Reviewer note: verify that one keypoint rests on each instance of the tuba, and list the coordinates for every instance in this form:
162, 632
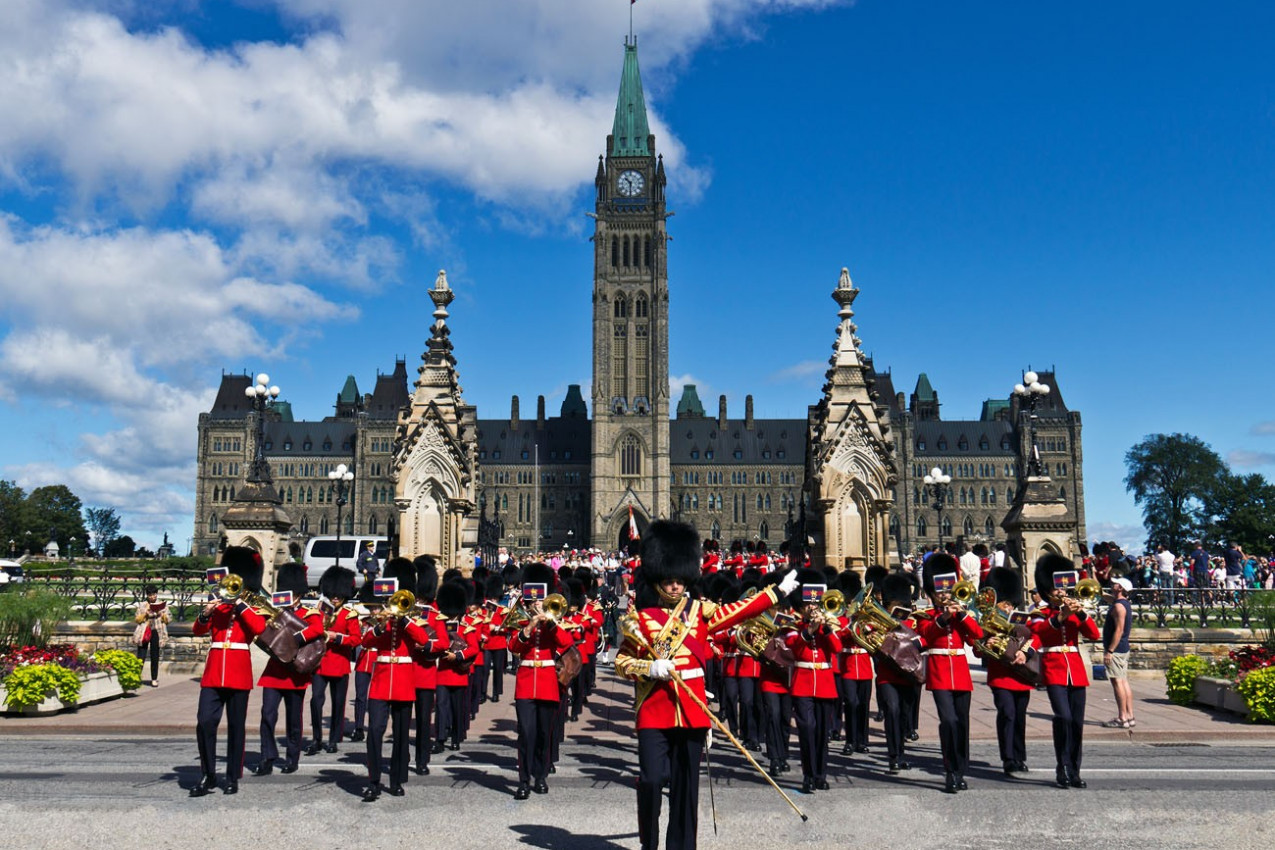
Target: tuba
1002, 640
874, 629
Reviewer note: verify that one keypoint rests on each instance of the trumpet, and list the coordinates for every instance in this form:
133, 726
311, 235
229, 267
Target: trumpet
963, 592
399, 605
231, 589
833, 603
1088, 591
555, 606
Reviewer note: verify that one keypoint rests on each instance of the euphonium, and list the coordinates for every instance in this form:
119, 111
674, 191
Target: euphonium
869, 622
996, 627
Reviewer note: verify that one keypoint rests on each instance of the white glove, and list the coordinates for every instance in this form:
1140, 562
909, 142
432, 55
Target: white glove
662, 669
789, 584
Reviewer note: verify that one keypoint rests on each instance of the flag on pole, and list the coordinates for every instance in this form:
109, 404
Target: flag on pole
633, 529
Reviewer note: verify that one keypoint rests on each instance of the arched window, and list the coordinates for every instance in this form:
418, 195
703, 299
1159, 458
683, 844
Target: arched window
641, 307
626, 251
232, 492
615, 251
1062, 492
989, 527
1009, 495
288, 497
991, 495
305, 525
216, 496
916, 495
984, 494
630, 456
212, 523
621, 307
695, 501
921, 528
968, 527
764, 530
323, 525
646, 252
767, 501
371, 525
947, 526
717, 530
894, 526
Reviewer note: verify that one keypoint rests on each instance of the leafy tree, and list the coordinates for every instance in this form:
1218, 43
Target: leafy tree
104, 525
120, 547
1171, 476
55, 509
1241, 508
12, 517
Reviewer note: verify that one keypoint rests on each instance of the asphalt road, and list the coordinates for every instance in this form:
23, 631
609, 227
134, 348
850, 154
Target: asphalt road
71, 792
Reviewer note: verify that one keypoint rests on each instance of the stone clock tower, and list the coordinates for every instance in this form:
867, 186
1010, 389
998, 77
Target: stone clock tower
630, 324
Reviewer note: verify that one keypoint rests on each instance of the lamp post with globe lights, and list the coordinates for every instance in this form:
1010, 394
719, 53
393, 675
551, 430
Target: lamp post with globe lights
260, 393
341, 478
1032, 392
937, 483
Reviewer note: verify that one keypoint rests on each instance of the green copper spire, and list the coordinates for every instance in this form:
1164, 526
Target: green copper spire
350, 392
630, 131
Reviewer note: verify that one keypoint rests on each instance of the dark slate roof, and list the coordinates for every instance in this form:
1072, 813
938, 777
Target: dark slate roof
559, 436
390, 395
931, 431
231, 403
884, 388
573, 406
764, 443
326, 438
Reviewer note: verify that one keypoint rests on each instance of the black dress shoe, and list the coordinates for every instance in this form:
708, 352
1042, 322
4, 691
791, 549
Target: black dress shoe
822, 785
807, 786
438, 747
263, 768
312, 750
949, 784
454, 745
553, 768
232, 787
774, 769
903, 765
329, 748
836, 736
962, 784
912, 736
288, 768
861, 748
1061, 779
783, 765
495, 699
522, 792
395, 791
540, 788
205, 786
1077, 782
1009, 767
847, 750
894, 767
357, 735
372, 793
1021, 767
422, 770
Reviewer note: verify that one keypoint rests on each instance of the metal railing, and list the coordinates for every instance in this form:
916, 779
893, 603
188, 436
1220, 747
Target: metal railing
97, 597
1217, 608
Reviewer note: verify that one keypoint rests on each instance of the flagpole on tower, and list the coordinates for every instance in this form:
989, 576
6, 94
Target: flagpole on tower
632, 3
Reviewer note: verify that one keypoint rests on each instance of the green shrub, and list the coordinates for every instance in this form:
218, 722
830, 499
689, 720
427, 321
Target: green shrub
29, 685
1258, 690
1262, 616
29, 617
127, 666
1181, 675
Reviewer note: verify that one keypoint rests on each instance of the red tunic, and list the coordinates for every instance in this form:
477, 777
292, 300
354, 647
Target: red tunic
426, 656
814, 653
998, 672
664, 706
855, 661
477, 621
336, 661
497, 637
1059, 641
229, 663
454, 674
394, 673
537, 677
946, 667
281, 676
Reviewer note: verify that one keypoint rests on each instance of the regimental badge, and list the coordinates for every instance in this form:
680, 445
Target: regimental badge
1066, 580
281, 599
385, 586
216, 574
811, 594
670, 638
944, 583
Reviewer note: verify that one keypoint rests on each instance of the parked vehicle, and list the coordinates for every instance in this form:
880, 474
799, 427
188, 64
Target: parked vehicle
321, 553
12, 571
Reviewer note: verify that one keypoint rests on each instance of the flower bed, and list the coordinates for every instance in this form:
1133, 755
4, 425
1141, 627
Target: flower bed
1243, 684
45, 680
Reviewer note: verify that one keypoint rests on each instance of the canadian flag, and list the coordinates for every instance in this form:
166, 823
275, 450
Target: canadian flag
633, 529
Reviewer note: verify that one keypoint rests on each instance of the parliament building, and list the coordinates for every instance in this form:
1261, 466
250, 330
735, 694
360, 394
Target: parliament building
449, 482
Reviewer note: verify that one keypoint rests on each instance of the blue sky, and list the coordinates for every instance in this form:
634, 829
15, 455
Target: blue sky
188, 187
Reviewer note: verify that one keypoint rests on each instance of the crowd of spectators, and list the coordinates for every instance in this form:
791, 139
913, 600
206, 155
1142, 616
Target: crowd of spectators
1229, 568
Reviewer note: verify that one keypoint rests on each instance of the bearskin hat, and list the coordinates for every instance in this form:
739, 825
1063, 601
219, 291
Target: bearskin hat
426, 578
1046, 566
875, 576
718, 584
452, 574
575, 593
494, 587
940, 563
471, 591
292, 577
451, 599
670, 550
511, 574
337, 581
245, 563
540, 573
479, 575
849, 583
736, 546
830, 576
896, 589
752, 575
403, 570
1007, 583
732, 590
565, 573
806, 576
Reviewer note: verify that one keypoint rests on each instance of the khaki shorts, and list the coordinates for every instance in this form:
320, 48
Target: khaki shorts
1119, 666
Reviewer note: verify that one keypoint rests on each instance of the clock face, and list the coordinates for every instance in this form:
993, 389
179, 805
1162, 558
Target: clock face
630, 184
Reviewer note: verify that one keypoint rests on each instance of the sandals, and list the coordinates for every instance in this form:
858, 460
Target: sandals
1117, 723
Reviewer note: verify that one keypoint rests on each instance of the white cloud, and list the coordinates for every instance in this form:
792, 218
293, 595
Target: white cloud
1264, 429
1131, 538
678, 383
799, 371
1245, 459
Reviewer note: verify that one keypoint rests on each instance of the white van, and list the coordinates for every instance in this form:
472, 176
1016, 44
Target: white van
321, 552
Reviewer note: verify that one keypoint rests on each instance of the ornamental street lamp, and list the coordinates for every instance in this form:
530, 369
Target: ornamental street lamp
260, 394
1032, 392
936, 485
341, 477
70, 552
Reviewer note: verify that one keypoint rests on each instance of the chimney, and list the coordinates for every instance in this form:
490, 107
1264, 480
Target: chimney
748, 412
540, 413
721, 413
513, 414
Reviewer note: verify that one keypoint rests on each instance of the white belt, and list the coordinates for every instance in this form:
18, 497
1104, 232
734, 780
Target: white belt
944, 652
691, 673
1059, 649
732, 655
814, 665
858, 650
394, 659
540, 663
225, 644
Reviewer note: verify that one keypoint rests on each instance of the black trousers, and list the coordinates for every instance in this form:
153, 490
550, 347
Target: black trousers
856, 695
535, 737
1011, 723
751, 723
954, 729
473, 694
497, 663
778, 708
914, 723
396, 714
212, 702
152, 646
814, 722
1068, 704
672, 756
730, 703
424, 724
451, 712
362, 681
338, 686
896, 703
292, 700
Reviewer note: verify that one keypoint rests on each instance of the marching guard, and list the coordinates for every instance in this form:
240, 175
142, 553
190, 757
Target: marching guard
426, 660
1011, 679
814, 687
343, 632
